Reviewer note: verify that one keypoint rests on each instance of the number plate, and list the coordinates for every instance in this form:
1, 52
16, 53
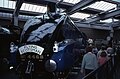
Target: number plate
31, 48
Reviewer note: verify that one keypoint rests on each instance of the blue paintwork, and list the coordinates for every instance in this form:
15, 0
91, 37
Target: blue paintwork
65, 58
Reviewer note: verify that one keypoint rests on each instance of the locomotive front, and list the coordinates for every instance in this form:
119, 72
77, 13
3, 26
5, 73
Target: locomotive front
36, 48
39, 54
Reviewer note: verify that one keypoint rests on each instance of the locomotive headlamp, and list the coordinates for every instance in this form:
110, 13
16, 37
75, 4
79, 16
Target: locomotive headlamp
55, 47
50, 65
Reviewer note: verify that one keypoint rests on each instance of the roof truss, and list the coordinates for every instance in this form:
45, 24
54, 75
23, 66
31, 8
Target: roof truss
103, 16
71, 8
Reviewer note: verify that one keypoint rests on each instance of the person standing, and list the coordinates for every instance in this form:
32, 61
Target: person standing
102, 58
103, 49
94, 50
89, 62
110, 51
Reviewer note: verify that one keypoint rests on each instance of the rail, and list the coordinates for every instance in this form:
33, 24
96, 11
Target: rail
106, 71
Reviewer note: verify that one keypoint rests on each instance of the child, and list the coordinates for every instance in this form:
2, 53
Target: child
102, 58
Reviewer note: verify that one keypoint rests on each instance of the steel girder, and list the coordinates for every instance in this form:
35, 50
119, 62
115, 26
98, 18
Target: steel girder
29, 13
93, 26
103, 16
16, 12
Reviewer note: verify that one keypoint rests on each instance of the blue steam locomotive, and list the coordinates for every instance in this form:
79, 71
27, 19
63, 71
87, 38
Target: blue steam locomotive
49, 46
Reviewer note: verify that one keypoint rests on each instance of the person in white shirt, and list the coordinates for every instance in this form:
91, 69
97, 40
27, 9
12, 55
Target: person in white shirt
89, 62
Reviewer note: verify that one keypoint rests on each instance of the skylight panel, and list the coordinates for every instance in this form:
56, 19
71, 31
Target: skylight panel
7, 4
102, 5
72, 1
1, 3
33, 8
38, 9
29, 9
12, 4
108, 20
43, 9
80, 15
25, 6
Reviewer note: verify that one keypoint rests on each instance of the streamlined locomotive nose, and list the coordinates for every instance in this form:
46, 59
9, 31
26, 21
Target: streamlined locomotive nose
50, 65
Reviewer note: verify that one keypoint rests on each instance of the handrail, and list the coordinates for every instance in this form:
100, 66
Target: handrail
94, 72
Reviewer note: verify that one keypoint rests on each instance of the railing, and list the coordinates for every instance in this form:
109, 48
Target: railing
106, 71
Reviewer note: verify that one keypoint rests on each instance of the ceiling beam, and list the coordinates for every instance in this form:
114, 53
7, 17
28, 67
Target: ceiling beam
79, 6
79, 25
10, 17
21, 12
92, 10
93, 26
103, 16
30, 13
